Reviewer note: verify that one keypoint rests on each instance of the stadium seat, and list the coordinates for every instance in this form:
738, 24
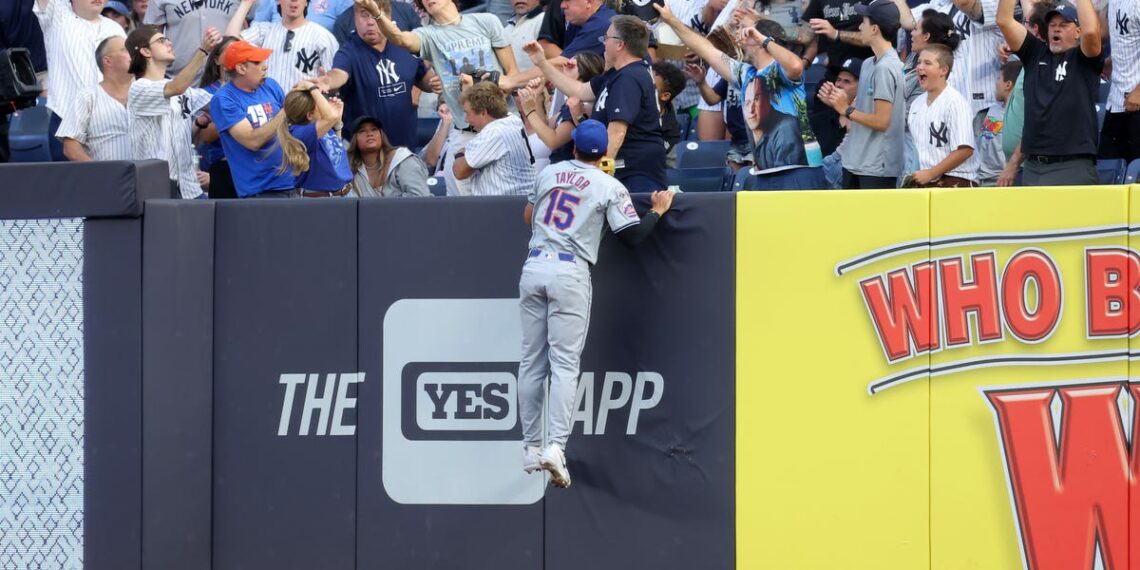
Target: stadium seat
1111, 170
697, 179
437, 186
1100, 110
1102, 92
1132, 173
814, 75
425, 129
28, 134
702, 154
687, 128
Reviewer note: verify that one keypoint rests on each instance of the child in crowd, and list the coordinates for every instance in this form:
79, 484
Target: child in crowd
669, 81
991, 158
940, 123
310, 145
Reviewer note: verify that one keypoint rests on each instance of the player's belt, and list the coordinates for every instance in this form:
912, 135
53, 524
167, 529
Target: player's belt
536, 252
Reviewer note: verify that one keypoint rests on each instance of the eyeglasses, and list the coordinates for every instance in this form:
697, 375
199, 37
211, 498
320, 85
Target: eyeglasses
161, 40
289, 40
602, 39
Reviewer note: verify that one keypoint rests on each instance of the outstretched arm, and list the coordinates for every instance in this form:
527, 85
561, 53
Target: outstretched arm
696, 42
569, 86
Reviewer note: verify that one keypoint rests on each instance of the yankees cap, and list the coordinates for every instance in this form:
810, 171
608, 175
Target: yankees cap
881, 12
240, 52
852, 65
1065, 10
591, 137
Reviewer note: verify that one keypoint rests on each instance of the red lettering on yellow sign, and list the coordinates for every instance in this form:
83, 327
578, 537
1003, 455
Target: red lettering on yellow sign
1073, 493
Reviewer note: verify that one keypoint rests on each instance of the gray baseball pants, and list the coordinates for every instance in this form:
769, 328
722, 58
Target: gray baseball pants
554, 300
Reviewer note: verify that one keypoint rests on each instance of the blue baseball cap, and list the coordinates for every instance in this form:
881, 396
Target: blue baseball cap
591, 137
117, 7
1065, 10
881, 12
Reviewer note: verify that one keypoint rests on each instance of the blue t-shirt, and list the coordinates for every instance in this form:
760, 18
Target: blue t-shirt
328, 162
733, 113
628, 95
254, 171
380, 84
585, 37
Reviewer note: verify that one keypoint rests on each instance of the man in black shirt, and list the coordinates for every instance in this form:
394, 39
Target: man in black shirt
1062, 76
831, 20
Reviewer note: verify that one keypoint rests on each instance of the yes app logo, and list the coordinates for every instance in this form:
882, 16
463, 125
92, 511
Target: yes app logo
451, 433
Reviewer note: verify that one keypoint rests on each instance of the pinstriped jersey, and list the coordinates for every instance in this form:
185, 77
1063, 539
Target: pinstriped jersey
297, 53
573, 203
976, 66
1124, 38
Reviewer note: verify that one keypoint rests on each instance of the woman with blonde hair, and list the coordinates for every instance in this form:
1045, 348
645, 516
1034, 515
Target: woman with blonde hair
311, 148
380, 169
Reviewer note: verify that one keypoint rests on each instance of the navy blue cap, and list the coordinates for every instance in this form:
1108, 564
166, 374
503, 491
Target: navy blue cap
852, 65
1065, 10
591, 136
881, 12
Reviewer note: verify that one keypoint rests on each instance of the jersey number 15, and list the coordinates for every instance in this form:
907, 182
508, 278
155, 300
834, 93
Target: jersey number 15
560, 210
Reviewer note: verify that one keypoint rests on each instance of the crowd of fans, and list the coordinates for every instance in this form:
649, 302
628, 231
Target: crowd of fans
292, 98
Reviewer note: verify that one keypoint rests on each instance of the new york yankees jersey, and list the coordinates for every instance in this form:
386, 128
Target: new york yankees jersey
70, 42
1124, 39
98, 121
160, 129
297, 54
976, 66
573, 202
502, 159
941, 127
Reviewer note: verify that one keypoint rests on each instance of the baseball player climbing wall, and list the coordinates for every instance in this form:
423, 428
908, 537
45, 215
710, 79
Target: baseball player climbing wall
950, 390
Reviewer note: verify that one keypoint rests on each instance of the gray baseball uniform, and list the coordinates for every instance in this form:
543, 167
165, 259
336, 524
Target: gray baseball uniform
573, 202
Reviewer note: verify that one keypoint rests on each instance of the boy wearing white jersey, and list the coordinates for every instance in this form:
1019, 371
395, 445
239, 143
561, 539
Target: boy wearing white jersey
942, 126
568, 210
162, 110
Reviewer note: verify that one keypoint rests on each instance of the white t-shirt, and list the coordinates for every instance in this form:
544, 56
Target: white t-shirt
160, 129
942, 127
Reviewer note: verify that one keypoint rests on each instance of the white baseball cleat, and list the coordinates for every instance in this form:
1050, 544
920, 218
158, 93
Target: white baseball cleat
531, 461
554, 460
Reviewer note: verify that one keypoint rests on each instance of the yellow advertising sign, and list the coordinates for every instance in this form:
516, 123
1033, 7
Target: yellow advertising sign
936, 379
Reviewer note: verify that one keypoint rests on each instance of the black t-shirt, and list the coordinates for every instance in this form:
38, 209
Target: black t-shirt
1060, 99
670, 128
553, 28
629, 95
841, 14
